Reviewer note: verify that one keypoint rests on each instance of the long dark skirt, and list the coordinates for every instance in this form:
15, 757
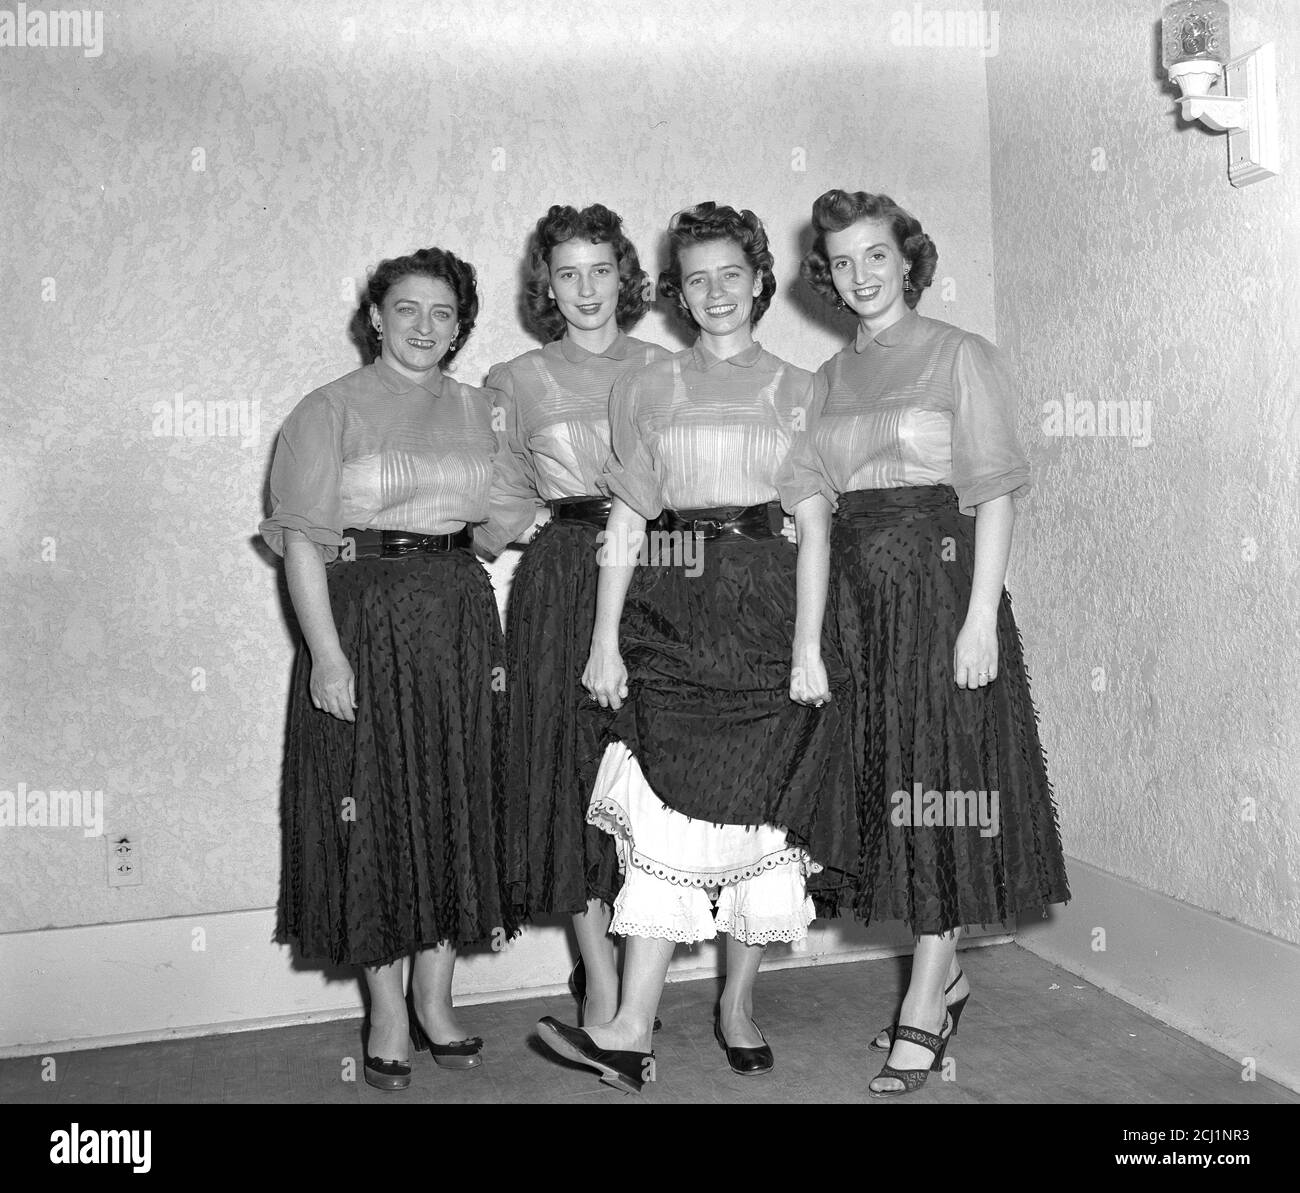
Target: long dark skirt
901, 566
709, 715
392, 832
556, 860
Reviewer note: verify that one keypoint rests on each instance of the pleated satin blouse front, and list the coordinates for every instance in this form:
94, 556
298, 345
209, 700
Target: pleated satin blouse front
695, 431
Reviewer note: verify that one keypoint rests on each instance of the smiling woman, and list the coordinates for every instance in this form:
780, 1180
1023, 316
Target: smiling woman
584, 289
724, 787
913, 434
390, 790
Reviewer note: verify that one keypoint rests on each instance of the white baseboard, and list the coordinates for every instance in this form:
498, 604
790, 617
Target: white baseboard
1227, 985
126, 983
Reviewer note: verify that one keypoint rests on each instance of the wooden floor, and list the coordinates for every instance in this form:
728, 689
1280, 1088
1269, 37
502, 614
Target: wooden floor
1031, 1033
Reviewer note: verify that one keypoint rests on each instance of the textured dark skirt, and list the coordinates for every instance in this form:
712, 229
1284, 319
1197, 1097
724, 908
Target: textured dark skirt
391, 825
556, 861
709, 715
901, 565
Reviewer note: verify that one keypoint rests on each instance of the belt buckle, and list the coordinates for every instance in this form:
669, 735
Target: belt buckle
698, 523
396, 550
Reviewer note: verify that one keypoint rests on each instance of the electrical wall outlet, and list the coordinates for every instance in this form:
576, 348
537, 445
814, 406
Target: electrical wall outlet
124, 860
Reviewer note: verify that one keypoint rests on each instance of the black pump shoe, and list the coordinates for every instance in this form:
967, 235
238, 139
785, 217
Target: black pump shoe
628, 1071
746, 1062
386, 1074
578, 984
459, 1054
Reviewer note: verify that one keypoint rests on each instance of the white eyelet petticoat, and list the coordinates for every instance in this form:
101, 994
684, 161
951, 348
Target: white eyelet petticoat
677, 870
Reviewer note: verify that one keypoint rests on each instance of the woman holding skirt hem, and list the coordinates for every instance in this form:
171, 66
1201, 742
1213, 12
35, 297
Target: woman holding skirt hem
724, 795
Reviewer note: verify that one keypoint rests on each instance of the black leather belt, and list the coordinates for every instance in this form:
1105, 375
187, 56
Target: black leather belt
393, 544
747, 522
594, 511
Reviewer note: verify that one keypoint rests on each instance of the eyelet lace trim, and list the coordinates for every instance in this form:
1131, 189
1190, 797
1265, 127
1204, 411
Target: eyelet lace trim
787, 935
608, 814
675, 933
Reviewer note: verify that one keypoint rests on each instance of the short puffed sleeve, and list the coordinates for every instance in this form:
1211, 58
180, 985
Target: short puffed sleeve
987, 460
630, 472
306, 473
803, 472
513, 503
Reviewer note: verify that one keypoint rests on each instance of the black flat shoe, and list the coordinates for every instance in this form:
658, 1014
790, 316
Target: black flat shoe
628, 1071
459, 1054
387, 1074
578, 984
746, 1062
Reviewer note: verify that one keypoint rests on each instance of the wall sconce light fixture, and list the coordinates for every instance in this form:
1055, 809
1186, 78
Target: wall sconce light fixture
1233, 95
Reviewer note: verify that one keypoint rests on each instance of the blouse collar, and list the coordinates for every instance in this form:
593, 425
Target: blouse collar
576, 355
900, 331
704, 360
400, 383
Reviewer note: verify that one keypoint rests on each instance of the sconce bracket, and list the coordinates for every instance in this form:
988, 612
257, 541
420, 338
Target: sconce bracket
1253, 151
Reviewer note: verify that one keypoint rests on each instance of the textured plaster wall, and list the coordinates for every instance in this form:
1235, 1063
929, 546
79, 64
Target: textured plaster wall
1128, 268
190, 213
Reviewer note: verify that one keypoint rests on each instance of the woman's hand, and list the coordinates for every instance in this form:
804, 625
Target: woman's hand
605, 677
333, 687
808, 683
975, 657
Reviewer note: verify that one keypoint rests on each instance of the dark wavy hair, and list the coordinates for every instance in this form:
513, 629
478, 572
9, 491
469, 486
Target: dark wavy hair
441, 266
706, 222
836, 210
600, 226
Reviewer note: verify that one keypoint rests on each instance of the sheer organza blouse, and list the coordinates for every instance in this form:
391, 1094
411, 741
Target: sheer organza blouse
375, 450
920, 403
694, 431
552, 412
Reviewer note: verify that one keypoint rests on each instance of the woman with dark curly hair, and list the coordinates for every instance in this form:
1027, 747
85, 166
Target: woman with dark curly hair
914, 431
725, 785
584, 287
390, 792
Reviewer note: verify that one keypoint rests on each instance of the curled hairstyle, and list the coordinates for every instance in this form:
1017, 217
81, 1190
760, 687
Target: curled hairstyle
441, 266
600, 226
836, 210
706, 222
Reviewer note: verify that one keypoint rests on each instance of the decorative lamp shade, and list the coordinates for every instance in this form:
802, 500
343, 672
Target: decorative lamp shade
1194, 31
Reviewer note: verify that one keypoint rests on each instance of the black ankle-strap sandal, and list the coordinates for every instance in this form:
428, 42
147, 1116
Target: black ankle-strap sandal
954, 1009
913, 1079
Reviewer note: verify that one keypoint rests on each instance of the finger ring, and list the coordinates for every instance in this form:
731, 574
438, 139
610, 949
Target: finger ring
984, 675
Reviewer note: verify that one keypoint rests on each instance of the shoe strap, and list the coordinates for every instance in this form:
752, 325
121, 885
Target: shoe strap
914, 1035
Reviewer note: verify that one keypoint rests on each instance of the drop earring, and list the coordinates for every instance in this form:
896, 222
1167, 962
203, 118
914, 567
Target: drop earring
907, 279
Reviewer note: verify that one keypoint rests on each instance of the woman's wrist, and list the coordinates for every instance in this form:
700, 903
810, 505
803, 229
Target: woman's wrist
328, 652
979, 613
